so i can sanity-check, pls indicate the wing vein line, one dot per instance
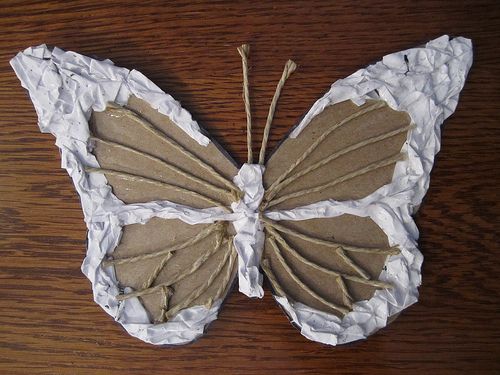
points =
(164, 137)
(266, 267)
(336, 274)
(172, 167)
(227, 277)
(346, 295)
(349, 176)
(137, 258)
(373, 250)
(179, 276)
(272, 192)
(135, 178)
(340, 251)
(166, 292)
(228, 260)
(301, 283)
(157, 270)
(313, 146)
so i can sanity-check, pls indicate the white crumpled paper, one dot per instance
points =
(65, 87)
(249, 238)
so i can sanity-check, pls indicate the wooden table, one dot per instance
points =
(48, 321)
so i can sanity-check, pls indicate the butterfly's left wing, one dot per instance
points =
(155, 192)
(340, 248)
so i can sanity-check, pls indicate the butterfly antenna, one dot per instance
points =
(290, 67)
(244, 51)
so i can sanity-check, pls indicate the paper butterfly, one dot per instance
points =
(172, 220)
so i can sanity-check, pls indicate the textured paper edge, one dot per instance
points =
(426, 84)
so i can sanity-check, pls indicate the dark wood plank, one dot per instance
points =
(48, 322)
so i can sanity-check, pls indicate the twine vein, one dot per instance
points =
(180, 275)
(224, 284)
(372, 250)
(137, 258)
(166, 293)
(172, 167)
(157, 270)
(358, 113)
(336, 274)
(229, 256)
(266, 267)
(135, 178)
(349, 176)
(336, 155)
(301, 283)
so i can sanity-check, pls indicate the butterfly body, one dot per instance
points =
(249, 238)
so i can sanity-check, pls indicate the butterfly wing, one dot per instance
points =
(155, 192)
(346, 152)
(340, 247)
(146, 157)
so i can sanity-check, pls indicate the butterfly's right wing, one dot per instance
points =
(154, 189)
(340, 190)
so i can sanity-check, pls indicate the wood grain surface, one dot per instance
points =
(48, 321)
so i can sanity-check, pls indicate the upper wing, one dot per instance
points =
(341, 244)
(146, 157)
(346, 152)
(154, 190)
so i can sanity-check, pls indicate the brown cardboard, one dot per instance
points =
(158, 233)
(345, 229)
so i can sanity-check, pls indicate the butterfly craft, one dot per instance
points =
(172, 221)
